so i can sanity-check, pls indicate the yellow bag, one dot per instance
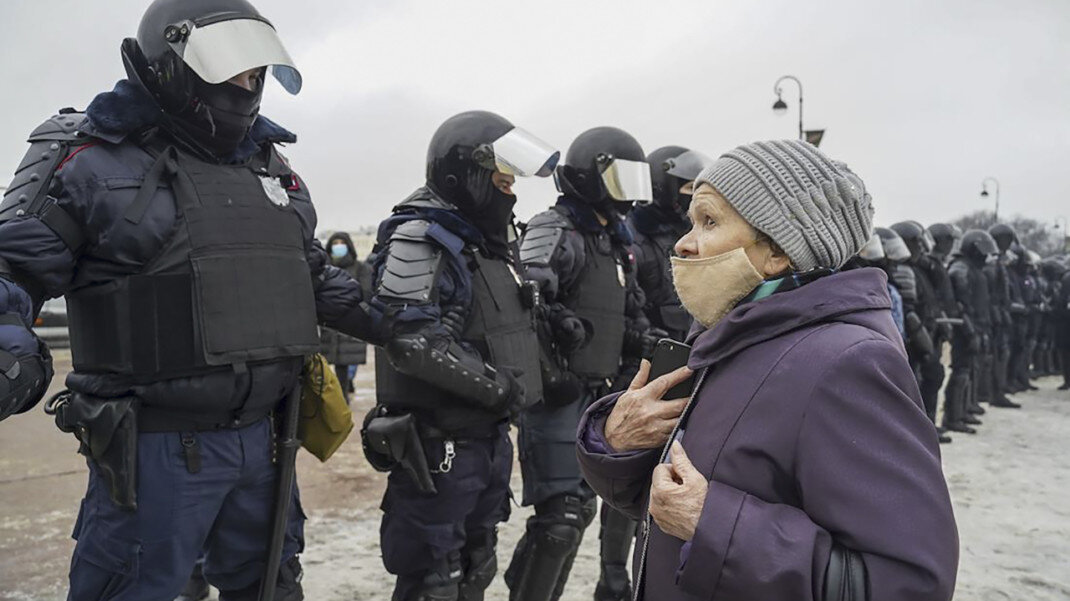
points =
(326, 420)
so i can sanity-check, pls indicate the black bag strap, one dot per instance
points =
(164, 166)
(845, 576)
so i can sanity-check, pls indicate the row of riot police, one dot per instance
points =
(1003, 311)
(483, 326)
(183, 241)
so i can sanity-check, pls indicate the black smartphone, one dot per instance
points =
(670, 355)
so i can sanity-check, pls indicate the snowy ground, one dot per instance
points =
(1010, 485)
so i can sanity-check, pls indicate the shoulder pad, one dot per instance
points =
(49, 144)
(61, 127)
(411, 264)
(414, 230)
(543, 234)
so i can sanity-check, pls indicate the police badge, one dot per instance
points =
(274, 190)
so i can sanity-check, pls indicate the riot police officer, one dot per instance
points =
(946, 238)
(576, 251)
(968, 343)
(461, 356)
(1026, 311)
(1006, 311)
(183, 242)
(655, 228)
(926, 305)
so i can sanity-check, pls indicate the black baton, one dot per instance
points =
(286, 457)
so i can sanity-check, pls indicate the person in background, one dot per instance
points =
(803, 467)
(345, 353)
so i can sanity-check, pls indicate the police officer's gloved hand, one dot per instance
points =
(453, 320)
(569, 331)
(514, 400)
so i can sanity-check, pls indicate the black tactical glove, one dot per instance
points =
(515, 398)
(641, 343)
(569, 331)
(918, 337)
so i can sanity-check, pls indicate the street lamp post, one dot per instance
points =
(1066, 234)
(780, 107)
(984, 193)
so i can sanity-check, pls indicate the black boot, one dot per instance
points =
(616, 541)
(971, 420)
(1005, 403)
(961, 427)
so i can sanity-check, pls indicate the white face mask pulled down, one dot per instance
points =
(711, 287)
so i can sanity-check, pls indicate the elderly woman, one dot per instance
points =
(803, 466)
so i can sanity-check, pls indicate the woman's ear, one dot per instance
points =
(776, 262)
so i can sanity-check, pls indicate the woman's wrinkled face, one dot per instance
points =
(717, 228)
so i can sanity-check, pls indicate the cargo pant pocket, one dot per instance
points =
(104, 570)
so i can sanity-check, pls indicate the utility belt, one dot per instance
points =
(393, 440)
(107, 431)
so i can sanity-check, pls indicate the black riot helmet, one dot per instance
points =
(1053, 269)
(1004, 235)
(944, 237)
(465, 152)
(186, 51)
(604, 166)
(671, 168)
(978, 246)
(917, 239)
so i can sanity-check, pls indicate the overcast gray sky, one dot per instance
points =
(923, 98)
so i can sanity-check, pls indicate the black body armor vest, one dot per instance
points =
(231, 286)
(500, 327)
(599, 298)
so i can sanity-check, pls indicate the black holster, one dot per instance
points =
(397, 438)
(107, 431)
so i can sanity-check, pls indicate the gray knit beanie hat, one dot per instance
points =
(814, 208)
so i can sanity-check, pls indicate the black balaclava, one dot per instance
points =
(220, 116)
(490, 209)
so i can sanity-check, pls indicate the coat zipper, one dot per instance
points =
(639, 584)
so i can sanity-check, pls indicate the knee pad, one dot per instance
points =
(441, 583)
(482, 561)
(543, 558)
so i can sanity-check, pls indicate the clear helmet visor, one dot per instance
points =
(628, 181)
(895, 249)
(927, 241)
(520, 153)
(687, 165)
(218, 51)
(873, 250)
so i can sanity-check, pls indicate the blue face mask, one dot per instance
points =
(339, 250)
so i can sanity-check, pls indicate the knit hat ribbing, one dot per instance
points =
(813, 207)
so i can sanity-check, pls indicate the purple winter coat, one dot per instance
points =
(810, 426)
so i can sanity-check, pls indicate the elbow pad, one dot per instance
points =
(413, 355)
(23, 381)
